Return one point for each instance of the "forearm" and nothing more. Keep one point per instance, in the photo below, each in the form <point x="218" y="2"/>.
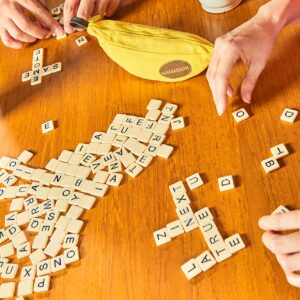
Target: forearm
<point x="280" y="12"/>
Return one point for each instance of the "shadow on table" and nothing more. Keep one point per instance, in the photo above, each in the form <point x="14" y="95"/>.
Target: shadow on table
<point x="278" y="76"/>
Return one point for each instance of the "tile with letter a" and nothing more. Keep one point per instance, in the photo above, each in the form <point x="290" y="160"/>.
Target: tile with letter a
<point x="114" y="179"/>
<point x="206" y="261"/>
<point x="161" y="236"/>
<point x="191" y="269"/>
<point x="177" y="187"/>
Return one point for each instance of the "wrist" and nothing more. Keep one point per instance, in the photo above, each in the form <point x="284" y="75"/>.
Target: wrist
<point x="273" y="15"/>
<point x="279" y="13"/>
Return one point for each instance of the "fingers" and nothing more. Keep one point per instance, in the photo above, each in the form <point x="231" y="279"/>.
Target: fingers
<point x="17" y="33"/>
<point x="230" y="91"/>
<point x="220" y="69"/>
<point x="112" y="7"/>
<point x="42" y="15"/>
<point x="26" y="25"/>
<point x="282" y="244"/>
<point x="293" y="279"/>
<point x="279" y="222"/>
<point x="101" y="7"/>
<point x="70" y="10"/>
<point x="249" y="82"/>
<point x="289" y="262"/>
<point x="85" y="9"/>
<point x="9" y="41"/>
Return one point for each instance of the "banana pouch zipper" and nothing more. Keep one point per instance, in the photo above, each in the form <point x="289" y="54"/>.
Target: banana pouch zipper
<point x="150" y="52"/>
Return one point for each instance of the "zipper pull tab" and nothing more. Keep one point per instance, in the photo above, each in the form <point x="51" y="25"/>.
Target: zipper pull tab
<point x="79" y="23"/>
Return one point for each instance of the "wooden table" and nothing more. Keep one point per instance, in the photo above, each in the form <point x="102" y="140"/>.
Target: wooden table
<point x="120" y="260"/>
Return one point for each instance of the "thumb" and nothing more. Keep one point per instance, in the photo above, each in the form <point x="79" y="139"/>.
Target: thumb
<point x="250" y="80"/>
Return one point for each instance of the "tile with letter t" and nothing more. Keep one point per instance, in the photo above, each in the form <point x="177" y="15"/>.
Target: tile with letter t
<point x="221" y="252"/>
<point x="279" y="151"/>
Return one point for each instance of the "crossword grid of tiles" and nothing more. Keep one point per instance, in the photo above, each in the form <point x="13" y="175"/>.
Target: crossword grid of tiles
<point x="203" y="219"/>
<point x="50" y="205"/>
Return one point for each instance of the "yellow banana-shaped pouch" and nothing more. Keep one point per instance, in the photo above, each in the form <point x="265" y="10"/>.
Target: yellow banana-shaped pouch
<point x="151" y="52"/>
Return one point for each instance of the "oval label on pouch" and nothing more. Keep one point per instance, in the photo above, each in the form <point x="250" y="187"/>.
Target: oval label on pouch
<point x="175" y="69"/>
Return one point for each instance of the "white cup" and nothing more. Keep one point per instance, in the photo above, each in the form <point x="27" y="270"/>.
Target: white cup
<point x="219" y="6"/>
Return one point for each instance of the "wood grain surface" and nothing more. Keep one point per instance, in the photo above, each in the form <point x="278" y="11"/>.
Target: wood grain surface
<point x="120" y="260"/>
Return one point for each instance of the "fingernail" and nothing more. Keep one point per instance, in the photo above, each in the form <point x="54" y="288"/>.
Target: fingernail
<point x="219" y="109"/>
<point x="59" y="31"/>
<point x="48" y="35"/>
<point x="247" y="98"/>
<point x="69" y="30"/>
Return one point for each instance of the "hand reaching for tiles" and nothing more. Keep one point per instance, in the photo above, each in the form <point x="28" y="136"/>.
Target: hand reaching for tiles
<point x="17" y="28"/>
<point x="252" y="42"/>
<point x="286" y="247"/>
<point x="87" y="8"/>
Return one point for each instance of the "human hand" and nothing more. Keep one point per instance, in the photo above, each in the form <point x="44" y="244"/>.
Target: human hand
<point x="86" y="8"/>
<point x="16" y="28"/>
<point x="252" y="42"/>
<point x="286" y="247"/>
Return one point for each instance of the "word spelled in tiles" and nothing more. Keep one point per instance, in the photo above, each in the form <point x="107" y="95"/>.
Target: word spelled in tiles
<point x="38" y="70"/>
<point x="44" y="224"/>
<point x="203" y="219"/>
